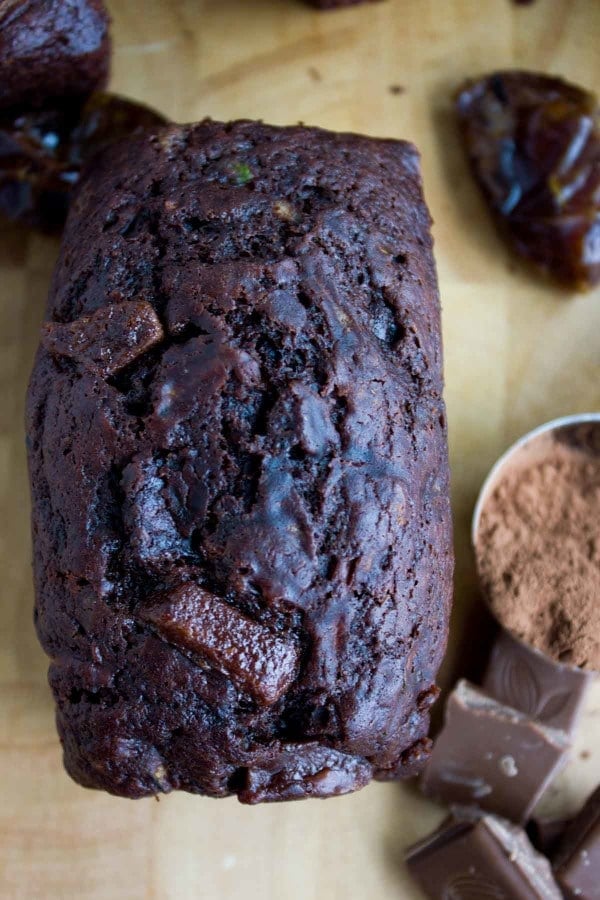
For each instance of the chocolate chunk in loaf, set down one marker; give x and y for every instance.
(108, 339)
(239, 466)
(51, 49)
(255, 659)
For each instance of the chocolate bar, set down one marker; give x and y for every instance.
(546, 833)
(480, 857)
(534, 684)
(577, 862)
(491, 756)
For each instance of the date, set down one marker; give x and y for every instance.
(534, 146)
(42, 153)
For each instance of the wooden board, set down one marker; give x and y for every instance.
(518, 352)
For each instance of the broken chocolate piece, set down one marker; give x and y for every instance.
(534, 146)
(546, 834)
(108, 339)
(306, 770)
(483, 857)
(534, 684)
(577, 862)
(492, 756)
(42, 153)
(251, 655)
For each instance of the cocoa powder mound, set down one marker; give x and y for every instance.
(538, 549)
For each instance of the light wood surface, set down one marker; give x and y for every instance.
(518, 352)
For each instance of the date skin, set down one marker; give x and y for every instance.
(533, 142)
(42, 153)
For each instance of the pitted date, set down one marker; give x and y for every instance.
(42, 153)
(534, 145)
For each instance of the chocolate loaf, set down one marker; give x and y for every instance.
(51, 50)
(238, 459)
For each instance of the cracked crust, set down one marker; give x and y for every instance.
(271, 442)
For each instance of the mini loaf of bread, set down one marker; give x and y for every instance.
(52, 50)
(239, 466)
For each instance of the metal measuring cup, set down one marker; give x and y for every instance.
(519, 675)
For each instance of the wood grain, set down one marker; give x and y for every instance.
(518, 352)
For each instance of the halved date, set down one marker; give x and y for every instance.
(42, 153)
(534, 146)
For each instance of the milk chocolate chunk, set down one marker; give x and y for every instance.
(484, 857)
(257, 661)
(43, 151)
(527, 680)
(108, 339)
(302, 770)
(492, 756)
(534, 146)
(546, 833)
(577, 862)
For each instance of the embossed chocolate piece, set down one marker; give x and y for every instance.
(534, 684)
(577, 862)
(108, 339)
(473, 857)
(255, 659)
(302, 770)
(492, 756)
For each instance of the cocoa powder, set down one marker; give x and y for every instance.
(538, 547)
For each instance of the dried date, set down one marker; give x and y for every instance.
(534, 146)
(42, 153)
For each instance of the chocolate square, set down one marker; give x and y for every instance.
(108, 339)
(530, 682)
(546, 833)
(492, 756)
(480, 857)
(577, 863)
